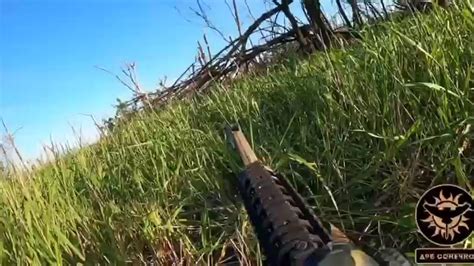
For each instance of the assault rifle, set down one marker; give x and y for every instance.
(288, 230)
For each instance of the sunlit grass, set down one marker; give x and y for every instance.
(361, 133)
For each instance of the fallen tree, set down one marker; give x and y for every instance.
(238, 57)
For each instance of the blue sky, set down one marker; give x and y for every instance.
(48, 50)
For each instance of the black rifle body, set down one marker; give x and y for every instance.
(288, 230)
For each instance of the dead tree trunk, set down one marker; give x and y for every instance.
(356, 17)
(385, 12)
(343, 14)
(300, 38)
(317, 21)
(376, 15)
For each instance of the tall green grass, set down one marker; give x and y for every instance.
(360, 132)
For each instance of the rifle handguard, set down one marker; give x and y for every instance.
(288, 230)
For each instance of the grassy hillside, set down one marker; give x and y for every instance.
(360, 132)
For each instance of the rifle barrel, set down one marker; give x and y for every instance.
(239, 142)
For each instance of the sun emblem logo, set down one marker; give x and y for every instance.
(445, 215)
